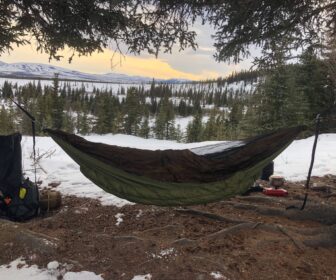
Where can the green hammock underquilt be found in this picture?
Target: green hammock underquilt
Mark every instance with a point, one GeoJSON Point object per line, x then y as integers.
{"type": "Point", "coordinates": [175, 177]}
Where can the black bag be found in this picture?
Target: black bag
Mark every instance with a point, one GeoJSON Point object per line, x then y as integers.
{"type": "Point", "coordinates": [267, 171]}
{"type": "Point", "coordinates": [19, 199]}
{"type": "Point", "coordinates": [10, 164]}
{"type": "Point", "coordinates": [25, 205]}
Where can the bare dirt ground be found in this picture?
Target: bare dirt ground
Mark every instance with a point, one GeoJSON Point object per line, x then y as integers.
{"type": "Point", "coordinates": [247, 237]}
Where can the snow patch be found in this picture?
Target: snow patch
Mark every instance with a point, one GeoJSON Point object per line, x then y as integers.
{"type": "Point", "coordinates": [165, 253]}
{"type": "Point", "coordinates": [119, 218]}
{"type": "Point", "coordinates": [142, 277]}
{"type": "Point", "coordinates": [83, 275]}
{"type": "Point", "coordinates": [53, 265]}
{"type": "Point", "coordinates": [293, 163]}
{"type": "Point", "coordinates": [139, 214]}
{"type": "Point", "coordinates": [218, 275]}
{"type": "Point", "coordinates": [19, 270]}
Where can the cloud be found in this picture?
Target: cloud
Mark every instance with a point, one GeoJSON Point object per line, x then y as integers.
{"type": "Point", "coordinates": [187, 64]}
{"type": "Point", "coordinates": [109, 61]}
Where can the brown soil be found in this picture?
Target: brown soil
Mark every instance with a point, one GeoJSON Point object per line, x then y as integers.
{"type": "Point", "coordinates": [239, 242]}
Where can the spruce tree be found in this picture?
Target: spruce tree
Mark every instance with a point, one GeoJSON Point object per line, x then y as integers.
{"type": "Point", "coordinates": [144, 128]}
{"type": "Point", "coordinates": [195, 128]}
{"type": "Point", "coordinates": [165, 120]}
{"type": "Point", "coordinates": [104, 115]}
{"type": "Point", "coordinates": [210, 129]}
{"type": "Point", "coordinates": [57, 114]}
{"type": "Point", "coordinates": [133, 112]}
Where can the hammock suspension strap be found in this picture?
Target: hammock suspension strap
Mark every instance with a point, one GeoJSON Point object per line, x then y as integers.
{"type": "Point", "coordinates": [32, 118]}
{"type": "Point", "coordinates": [317, 131]}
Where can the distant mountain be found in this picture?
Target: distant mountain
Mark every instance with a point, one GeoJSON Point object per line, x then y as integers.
{"type": "Point", "coordinates": [44, 71]}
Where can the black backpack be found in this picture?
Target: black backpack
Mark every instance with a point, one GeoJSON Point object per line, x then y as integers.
{"type": "Point", "coordinates": [24, 205]}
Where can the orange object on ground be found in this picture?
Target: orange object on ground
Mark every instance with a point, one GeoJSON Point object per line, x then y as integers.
{"type": "Point", "coordinates": [275, 192]}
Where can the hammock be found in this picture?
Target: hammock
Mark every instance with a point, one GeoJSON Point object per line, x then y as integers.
{"type": "Point", "coordinates": [175, 177]}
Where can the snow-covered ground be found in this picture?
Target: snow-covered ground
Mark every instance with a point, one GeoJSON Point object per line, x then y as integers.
{"type": "Point", "coordinates": [19, 270]}
{"type": "Point", "coordinates": [55, 165]}
{"type": "Point", "coordinates": [294, 162]}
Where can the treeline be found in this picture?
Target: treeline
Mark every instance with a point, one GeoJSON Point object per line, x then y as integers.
{"type": "Point", "coordinates": [152, 112]}
{"type": "Point", "coordinates": [245, 76]}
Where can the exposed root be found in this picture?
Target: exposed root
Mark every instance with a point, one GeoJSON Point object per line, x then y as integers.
{"type": "Point", "coordinates": [285, 232]}
{"type": "Point", "coordinates": [230, 230]}
{"type": "Point", "coordinates": [312, 237]}
{"type": "Point", "coordinates": [333, 194]}
{"type": "Point", "coordinates": [127, 238]}
{"type": "Point", "coordinates": [323, 214]}
{"type": "Point", "coordinates": [263, 199]}
{"type": "Point", "coordinates": [321, 237]}
{"type": "Point", "coordinates": [184, 242]}
{"type": "Point", "coordinates": [168, 231]}
{"type": "Point", "coordinates": [209, 215]}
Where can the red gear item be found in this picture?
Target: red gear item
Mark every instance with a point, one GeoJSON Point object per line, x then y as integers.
{"type": "Point", "coordinates": [275, 192]}
{"type": "Point", "coordinates": [8, 200]}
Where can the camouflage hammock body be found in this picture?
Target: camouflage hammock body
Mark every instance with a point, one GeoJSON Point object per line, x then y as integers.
{"type": "Point", "coordinates": [175, 177]}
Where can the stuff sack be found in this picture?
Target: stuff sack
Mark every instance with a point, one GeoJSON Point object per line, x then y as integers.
{"type": "Point", "coordinates": [25, 204]}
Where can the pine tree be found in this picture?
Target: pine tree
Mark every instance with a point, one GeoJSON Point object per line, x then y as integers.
{"type": "Point", "coordinates": [6, 121]}
{"type": "Point", "coordinates": [315, 80]}
{"type": "Point", "coordinates": [179, 136]}
{"type": "Point", "coordinates": [7, 91]}
{"type": "Point", "coordinates": [165, 120]}
{"type": "Point", "coordinates": [144, 129]}
{"type": "Point", "coordinates": [83, 123]}
{"type": "Point", "coordinates": [68, 122]}
{"type": "Point", "coordinates": [57, 114]}
{"type": "Point", "coordinates": [235, 117]}
{"type": "Point", "coordinates": [104, 115]}
{"type": "Point", "coordinates": [210, 129]}
{"type": "Point", "coordinates": [171, 133]}
{"type": "Point", "coordinates": [195, 128]}
{"type": "Point", "coordinates": [159, 127]}
{"type": "Point", "coordinates": [133, 112]}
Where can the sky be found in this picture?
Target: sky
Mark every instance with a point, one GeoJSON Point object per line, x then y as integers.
{"type": "Point", "coordinates": [188, 64]}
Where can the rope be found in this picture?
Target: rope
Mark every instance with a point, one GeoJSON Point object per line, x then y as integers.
{"type": "Point", "coordinates": [48, 209]}
{"type": "Point", "coordinates": [34, 150]}
{"type": "Point", "coordinates": [32, 118]}
{"type": "Point", "coordinates": [317, 130]}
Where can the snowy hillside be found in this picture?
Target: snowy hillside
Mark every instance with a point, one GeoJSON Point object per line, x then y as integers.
{"type": "Point", "coordinates": [293, 163]}
{"type": "Point", "coordinates": [35, 70]}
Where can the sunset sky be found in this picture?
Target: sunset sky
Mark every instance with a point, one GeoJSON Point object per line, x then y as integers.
{"type": "Point", "coordinates": [188, 64]}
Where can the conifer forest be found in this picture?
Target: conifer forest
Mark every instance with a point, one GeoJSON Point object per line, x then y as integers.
{"type": "Point", "coordinates": [241, 105]}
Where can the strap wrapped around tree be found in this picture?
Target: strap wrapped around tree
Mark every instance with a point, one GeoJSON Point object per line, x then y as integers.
{"type": "Point", "coordinates": [175, 177]}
